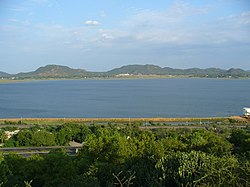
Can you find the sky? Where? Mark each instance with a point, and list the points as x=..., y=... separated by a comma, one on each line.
x=100, y=35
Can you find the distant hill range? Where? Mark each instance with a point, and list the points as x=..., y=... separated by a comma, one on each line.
x=196, y=72
x=57, y=71
x=3, y=74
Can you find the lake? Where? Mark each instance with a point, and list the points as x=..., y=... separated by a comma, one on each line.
x=192, y=97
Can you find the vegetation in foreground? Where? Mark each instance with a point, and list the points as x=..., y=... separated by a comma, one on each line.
x=128, y=156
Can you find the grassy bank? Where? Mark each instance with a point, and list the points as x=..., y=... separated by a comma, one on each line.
x=2, y=81
x=52, y=121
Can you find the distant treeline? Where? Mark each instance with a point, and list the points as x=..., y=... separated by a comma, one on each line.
x=128, y=156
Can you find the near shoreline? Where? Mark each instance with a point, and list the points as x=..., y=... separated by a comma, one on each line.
x=121, y=120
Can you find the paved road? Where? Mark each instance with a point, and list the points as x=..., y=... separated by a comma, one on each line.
x=19, y=149
x=28, y=151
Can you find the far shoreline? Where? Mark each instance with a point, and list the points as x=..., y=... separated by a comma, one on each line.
x=7, y=81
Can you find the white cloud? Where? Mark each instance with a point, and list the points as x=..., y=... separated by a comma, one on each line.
x=175, y=26
x=173, y=15
x=185, y=9
x=20, y=22
x=107, y=36
x=179, y=31
x=182, y=24
x=91, y=23
x=242, y=19
x=12, y=20
x=17, y=9
x=42, y=2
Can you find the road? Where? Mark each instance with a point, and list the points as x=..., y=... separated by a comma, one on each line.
x=28, y=151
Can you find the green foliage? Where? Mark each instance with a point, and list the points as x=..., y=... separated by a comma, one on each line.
x=171, y=144
x=241, y=140
x=4, y=170
x=208, y=141
x=128, y=156
x=43, y=138
x=69, y=132
x=32, y=138
x=37, y=136
x=198, y=169
x=2, y=136
x=9, y=123
x=23, y=138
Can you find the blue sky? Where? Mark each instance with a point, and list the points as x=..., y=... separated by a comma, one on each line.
x=99, y=35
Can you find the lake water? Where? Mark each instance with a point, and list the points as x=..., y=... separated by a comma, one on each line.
x=125, y=98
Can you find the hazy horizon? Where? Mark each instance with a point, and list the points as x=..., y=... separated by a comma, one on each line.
x=99, y=36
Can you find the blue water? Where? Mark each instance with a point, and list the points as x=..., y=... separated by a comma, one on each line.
x=125, y=98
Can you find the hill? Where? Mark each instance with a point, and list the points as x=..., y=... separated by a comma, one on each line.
x=193, y=72
x=237, y=72
x=55, y=71
x=3, y=74
x=137, y=69
x=58, y=71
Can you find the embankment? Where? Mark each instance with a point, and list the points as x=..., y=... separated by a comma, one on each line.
x=52, y=121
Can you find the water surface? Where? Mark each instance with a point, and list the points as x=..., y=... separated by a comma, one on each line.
x=125, y=98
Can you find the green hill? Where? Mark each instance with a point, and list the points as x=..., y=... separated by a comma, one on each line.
x=55, y=71
x=193, y=72
x=237, y=72
x=3, y=74
x=137, y=69
x=58, y=71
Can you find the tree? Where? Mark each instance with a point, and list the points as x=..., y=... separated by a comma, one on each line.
x=2, y=136
x=43, y=138
x=241, y=140
x=198, y=169
x=23, y=138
